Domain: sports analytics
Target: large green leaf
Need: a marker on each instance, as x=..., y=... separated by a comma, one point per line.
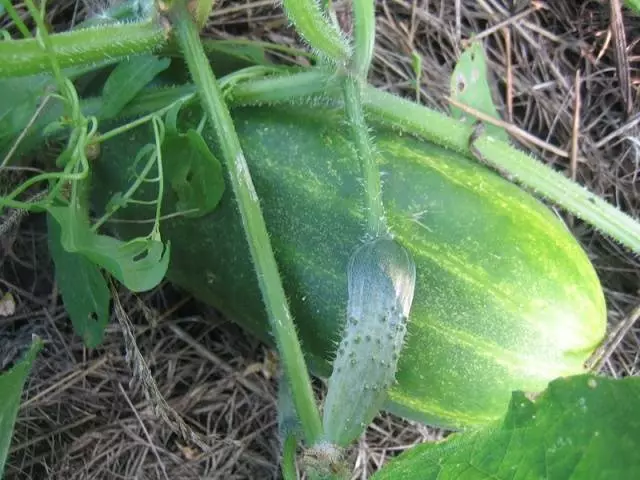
x=140, y=264
x=83, y=288
x=193, y=172
x=469, y=86
x=127, y=80
x=11, y=385
x=581, y=427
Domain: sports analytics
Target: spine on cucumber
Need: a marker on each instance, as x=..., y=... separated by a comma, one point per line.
x=381, y=280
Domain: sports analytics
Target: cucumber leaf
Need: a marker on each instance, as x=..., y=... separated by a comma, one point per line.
x=139, y=264
x=194, y=173
x=18, y=102
x=246, y=54
x=633, y=5
x=581, y=427
x=127, y=80
x=469, y=85
x=11, y=385
x=83, y=288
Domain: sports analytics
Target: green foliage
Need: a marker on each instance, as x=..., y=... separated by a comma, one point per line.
x=11, y=385
x=256, y=235
x=19, y=99
x=26, y=98
x=83, y=288
x=82, y=47
x=364, y=35
x=194, y=174
x=469, y=86
x=633, y=5
x=126, y=81
x=228, y=56
x=139, y=264
x=581, y=427
x=318, y=29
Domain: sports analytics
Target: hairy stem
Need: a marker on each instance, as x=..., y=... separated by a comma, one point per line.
x=316, y=28
x=352, y=90
x=523, y=168
x=447, y=132
x=283, y=88
x=407, y=116
x=253, y=222
x=364, y=34
x=80, y=47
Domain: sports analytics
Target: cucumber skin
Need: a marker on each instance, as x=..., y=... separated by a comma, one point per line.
x=505, y=298
x=381, y=279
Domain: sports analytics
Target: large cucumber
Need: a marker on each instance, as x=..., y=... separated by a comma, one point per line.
x=505, y=298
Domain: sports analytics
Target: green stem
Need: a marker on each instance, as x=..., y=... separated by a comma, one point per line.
x=352, y=89
x=364, y=33
x=43, y=41
x=138, y=121
x=140, y=178
x=317, y=30
x=283, y=88
x=561, y=190
x=289, y=458
x=434, y=126
x=407, y=116
x=253, y=222
x=414, y=118
x=79, y=47
x=525, y=169
x=15, y=17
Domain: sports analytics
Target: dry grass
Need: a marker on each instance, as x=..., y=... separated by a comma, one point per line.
x=88, y=417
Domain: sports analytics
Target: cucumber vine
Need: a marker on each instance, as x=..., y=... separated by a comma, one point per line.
x=381, y=272
x=252, y=220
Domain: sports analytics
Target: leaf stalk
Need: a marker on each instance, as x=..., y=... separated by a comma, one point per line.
x=253, y=222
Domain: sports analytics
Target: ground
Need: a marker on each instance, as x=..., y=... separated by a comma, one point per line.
x=101, y=414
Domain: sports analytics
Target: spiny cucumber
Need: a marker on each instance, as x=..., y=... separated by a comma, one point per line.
x=381, y=280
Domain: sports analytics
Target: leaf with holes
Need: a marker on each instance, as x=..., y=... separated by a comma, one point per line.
x=139, y=264
x=194, y=174
x=469, y=86
x=11, y=385
x=83, y=288
x=581, y=427
x=127, y=79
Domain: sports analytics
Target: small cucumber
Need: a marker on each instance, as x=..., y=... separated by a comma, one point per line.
x=381, y=280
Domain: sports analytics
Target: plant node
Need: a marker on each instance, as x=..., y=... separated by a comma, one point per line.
x=325, y=460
